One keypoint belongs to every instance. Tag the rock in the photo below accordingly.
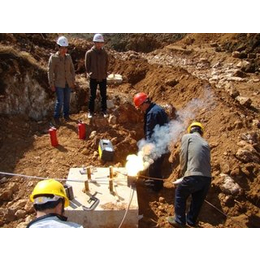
(229, 186)
(3, 180)
(92, 134)
(29, 207)
(171, 82)
(7, 215)
(242, 64)
(236, 54)
(251, 138)
(233, 92)
(238, 124)
(225, 168)
(6, 195)
(20, 213)
(22, 225)
(244, 101)
(239, 73)
(247, 154)
(161, 199)
(112, 120)
(20, 203)
(85, 151)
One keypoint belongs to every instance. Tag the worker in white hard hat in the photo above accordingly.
(49, 200)
(196, 172)
(96, 63)
(61, 75)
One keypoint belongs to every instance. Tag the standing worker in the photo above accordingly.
(96, 63)
(61, 75)
(153, 115)
(196, 169)
(49, 200)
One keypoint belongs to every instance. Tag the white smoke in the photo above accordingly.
(169, 134)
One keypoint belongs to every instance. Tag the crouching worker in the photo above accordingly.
(196, 170)
(49, 200)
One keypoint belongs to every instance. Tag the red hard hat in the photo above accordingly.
(139, 99)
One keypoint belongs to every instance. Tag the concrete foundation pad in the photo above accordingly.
(106, 202)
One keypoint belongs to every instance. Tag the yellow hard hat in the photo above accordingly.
(196, 124)
(52, 187)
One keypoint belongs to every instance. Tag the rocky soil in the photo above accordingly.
(213, 78)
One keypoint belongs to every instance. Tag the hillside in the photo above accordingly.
(212, 78)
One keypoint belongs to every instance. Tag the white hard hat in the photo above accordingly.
(63, 41)
(98, 38)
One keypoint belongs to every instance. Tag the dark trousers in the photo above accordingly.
(93, 93)
(155, 171)
(197, 187)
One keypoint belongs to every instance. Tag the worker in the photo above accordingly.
(96, 64)
(196, 171)
(154, 115)
(61, 76)
(49, 200)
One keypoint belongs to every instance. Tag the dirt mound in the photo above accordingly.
(201, 77)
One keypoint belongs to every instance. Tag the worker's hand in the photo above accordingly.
(88, 75)
(74, 87)
(53, 88)
(178, 181)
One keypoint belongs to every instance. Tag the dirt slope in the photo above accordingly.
(213, 78)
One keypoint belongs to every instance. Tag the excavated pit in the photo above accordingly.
(203, 76)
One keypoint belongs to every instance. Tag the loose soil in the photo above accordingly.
(178, 76)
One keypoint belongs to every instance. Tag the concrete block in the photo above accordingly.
(106, 200)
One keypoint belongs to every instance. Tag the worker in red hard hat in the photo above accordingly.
(196, 171)
(154, 115)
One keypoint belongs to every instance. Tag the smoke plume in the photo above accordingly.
(169, 134)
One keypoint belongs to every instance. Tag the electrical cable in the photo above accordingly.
(216, 208)
(68, 180)
(129, 203)
(41, 178)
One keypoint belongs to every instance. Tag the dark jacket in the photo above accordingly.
(154, 115)
(96, 63)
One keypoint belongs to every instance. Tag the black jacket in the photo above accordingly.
(154, 115)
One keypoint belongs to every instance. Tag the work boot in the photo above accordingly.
(56, 122)
(105, 115)
(172, 221)
(67, 119)
(90, 114)
(149, 183)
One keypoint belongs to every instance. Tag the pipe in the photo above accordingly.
(86, 186)
(89, 173)
(111, 170)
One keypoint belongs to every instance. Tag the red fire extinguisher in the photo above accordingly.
(81, 130)
(53, 136)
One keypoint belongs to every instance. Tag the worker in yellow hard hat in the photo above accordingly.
(196, 171)
(49, 200)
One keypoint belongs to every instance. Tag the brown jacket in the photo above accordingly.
(96, 63)
(61, 71)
